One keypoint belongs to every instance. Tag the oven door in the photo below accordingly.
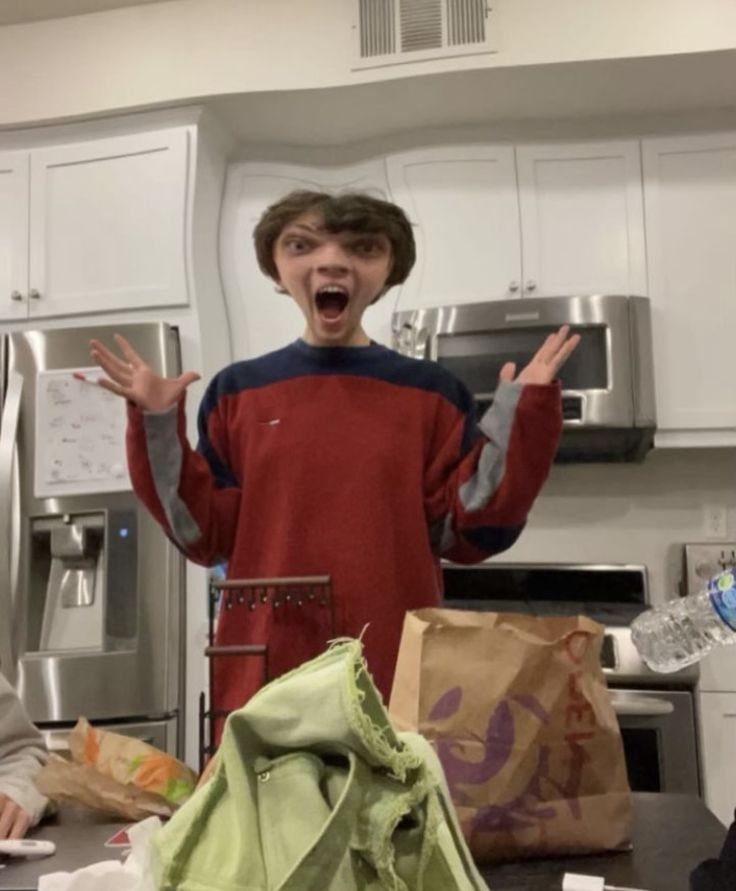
(660, 739)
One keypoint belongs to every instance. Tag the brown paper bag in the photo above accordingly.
(65, 782)
(518, 711)
(116, 774)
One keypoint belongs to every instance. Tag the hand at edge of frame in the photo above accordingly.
(135, 380)
(546, 362)
(14, 821)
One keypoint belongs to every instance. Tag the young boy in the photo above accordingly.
(336, 455)
(22, 754)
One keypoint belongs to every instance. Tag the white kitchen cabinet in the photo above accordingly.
(582, 218)
(263, 319)
(103, 225)
(14, 168)
(717, 713)
(690, 201)
(574, 223)
(464, 205)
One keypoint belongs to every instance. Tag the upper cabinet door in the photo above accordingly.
(13, 235)
(690, 195)
(463, 203)
(109, 224)
(262, 318)
(582, 219)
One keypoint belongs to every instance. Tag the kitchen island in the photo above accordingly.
(672, 834)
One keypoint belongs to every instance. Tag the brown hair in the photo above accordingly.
(347, 212)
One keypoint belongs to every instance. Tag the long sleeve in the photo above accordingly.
(22, 754)
(191, 493)
(484, 477)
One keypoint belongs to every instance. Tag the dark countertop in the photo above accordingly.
(671, 835)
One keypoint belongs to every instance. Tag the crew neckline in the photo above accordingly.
(337, 353)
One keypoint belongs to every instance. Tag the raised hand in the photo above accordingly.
(131, 378)
(546, 362)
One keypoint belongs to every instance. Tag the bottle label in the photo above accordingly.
(722, 591)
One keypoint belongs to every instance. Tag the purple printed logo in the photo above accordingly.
(541, 797)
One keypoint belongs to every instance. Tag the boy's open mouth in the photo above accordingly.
(331, 301)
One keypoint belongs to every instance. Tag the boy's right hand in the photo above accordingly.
(131, 378)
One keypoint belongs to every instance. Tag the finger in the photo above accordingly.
(564, 352)
(21, 824)
(117, 389)
(7, 817)
(507, 372)
(552, 344)
(189, 377)
(115, 368)
(99, 350)
(128, 351)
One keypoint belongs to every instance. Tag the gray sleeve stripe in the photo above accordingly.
(496, 424)
(165, 459)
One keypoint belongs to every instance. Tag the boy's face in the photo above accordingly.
(332, 277)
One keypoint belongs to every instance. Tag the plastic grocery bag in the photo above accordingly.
(136, 874)
(518, 712)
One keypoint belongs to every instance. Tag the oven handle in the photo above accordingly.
(638, 705)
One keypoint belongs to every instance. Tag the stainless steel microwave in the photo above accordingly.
(608, 399)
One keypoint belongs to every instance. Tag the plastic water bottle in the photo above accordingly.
(682, 631)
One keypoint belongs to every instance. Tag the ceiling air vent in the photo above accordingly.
(391, 32)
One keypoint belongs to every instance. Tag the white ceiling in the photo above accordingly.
(14, 12)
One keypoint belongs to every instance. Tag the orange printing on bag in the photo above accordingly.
(91, 745)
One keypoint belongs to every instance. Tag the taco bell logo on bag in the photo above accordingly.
(551, 783)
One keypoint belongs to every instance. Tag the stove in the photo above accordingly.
(656, 712)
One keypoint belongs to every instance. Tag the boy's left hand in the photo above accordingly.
(546, 362)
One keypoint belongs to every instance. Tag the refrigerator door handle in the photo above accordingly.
(8, 439)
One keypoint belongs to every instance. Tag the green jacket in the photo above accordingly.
(314, 791)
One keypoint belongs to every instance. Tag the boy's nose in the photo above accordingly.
(332, 258)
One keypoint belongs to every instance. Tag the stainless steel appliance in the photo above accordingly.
(607, 384)
(91, 590)
(656, 712)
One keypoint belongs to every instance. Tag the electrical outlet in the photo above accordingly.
(715, 522)
(703, 561)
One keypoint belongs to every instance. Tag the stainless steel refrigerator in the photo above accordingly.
(91, 590)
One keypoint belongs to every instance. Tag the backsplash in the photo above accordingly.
(631, 513)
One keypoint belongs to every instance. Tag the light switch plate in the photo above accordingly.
(704, 560)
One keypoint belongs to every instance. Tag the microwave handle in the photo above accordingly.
(413, 341)
(639, 705)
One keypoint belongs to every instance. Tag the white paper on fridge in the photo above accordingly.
(80, 435)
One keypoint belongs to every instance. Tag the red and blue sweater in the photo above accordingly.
(355, 462)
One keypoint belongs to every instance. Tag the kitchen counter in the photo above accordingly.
(672, 834)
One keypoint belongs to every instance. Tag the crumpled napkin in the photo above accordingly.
(135, 874)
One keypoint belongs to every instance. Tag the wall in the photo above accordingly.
(633, 513)
(184, 49)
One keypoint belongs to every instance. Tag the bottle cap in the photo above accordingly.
(573, 881)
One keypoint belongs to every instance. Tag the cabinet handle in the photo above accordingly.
(513, 287)
(530, 285)
(16, 295)
(34, 294)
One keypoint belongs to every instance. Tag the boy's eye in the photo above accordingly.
(296, 245)
(369, 247)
